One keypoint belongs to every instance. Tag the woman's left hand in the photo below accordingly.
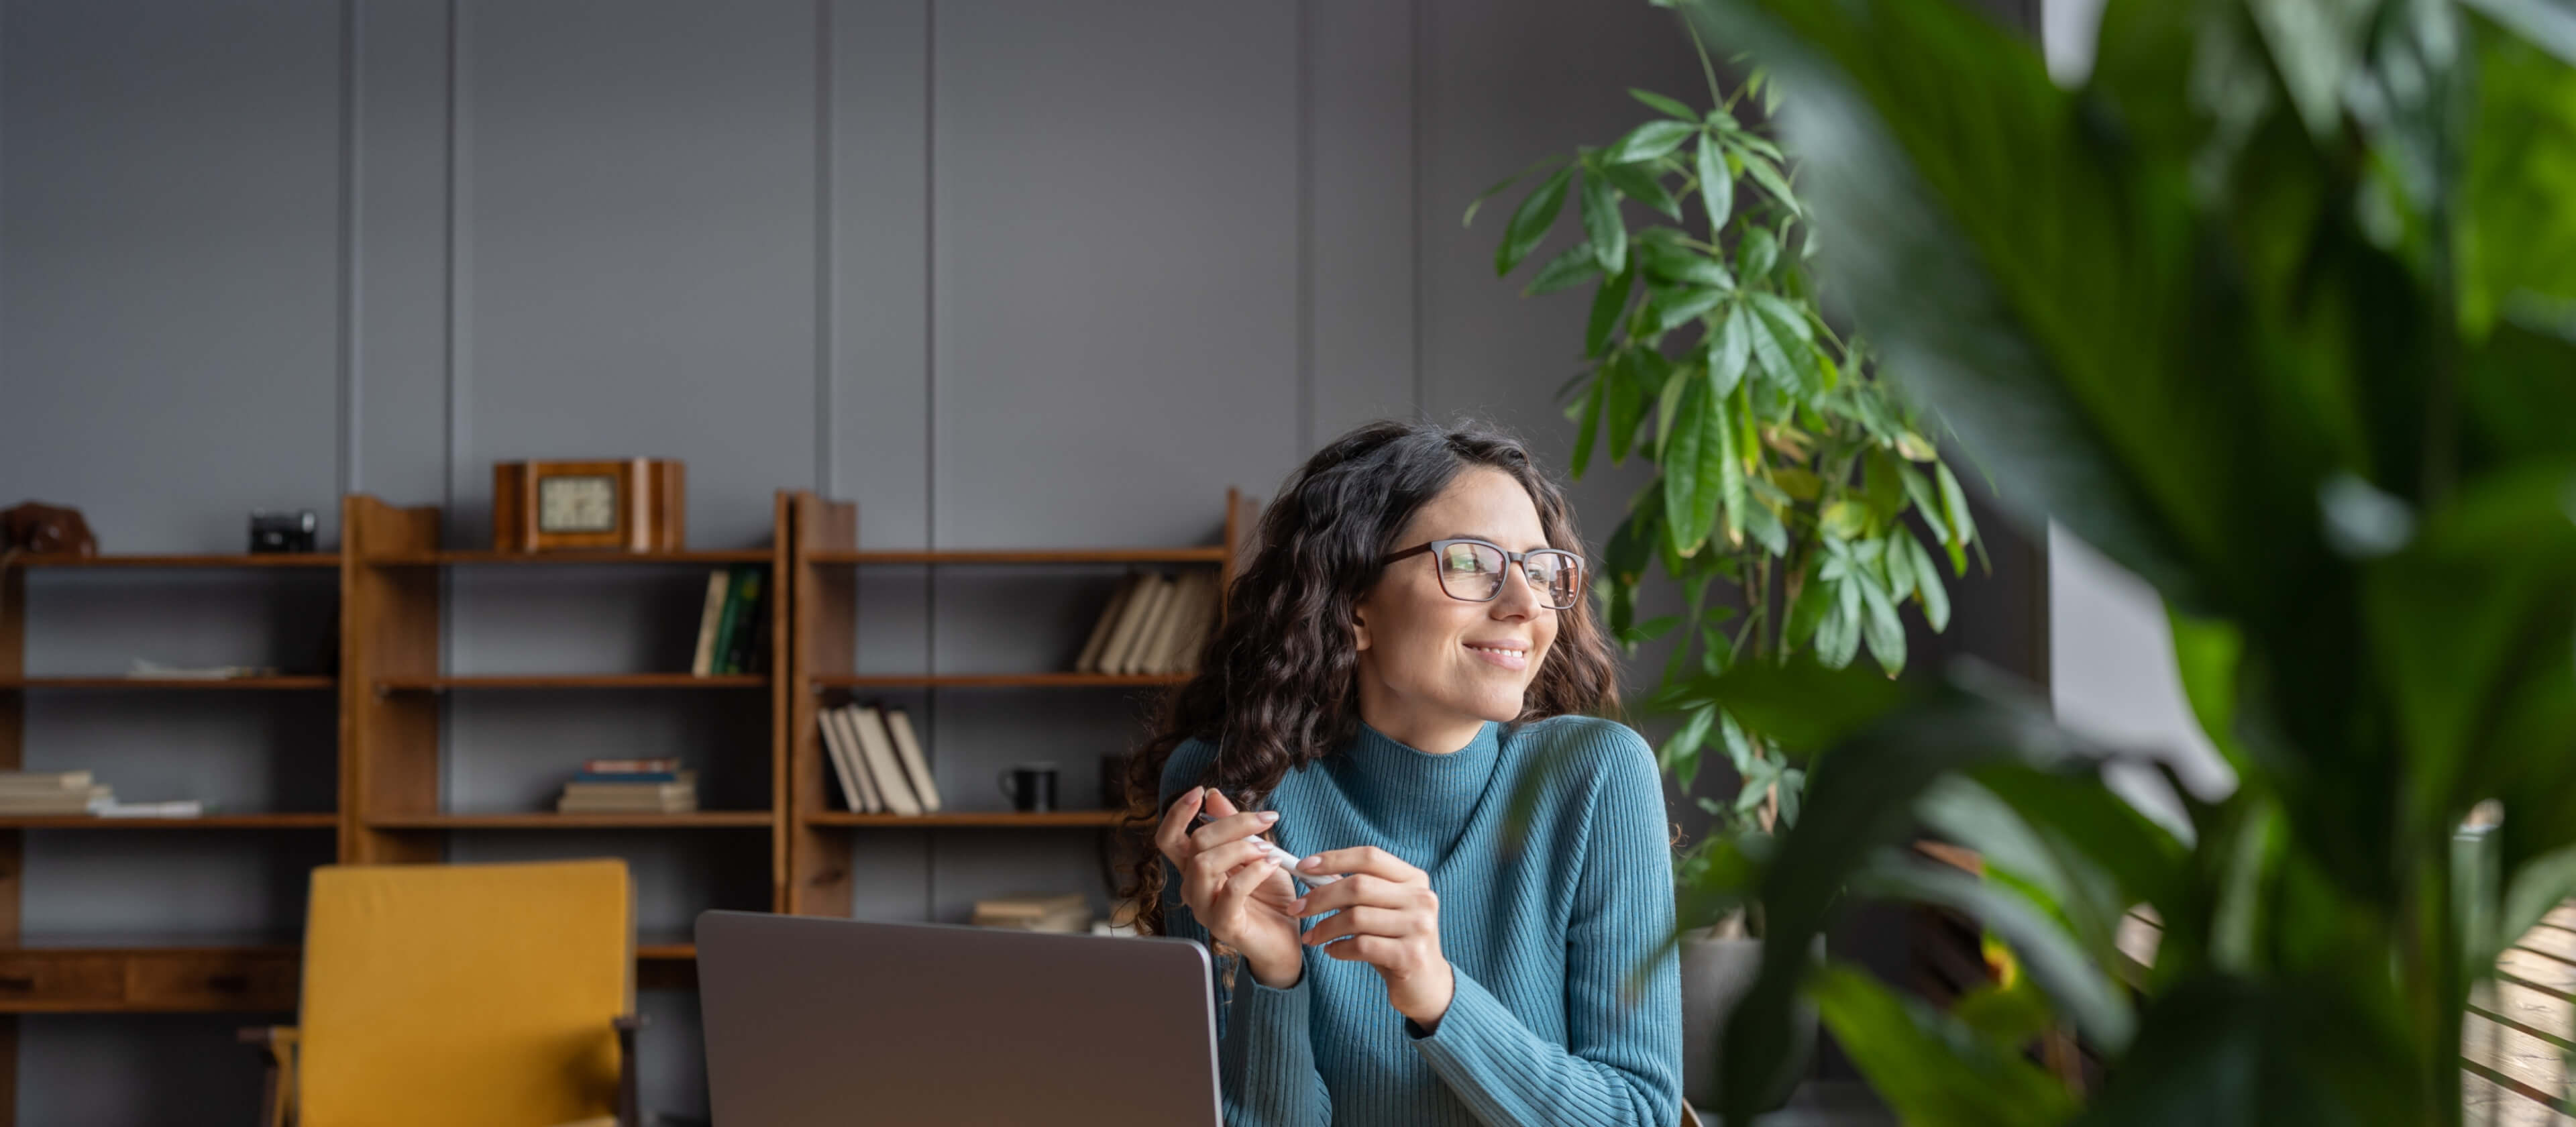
(1392, 917)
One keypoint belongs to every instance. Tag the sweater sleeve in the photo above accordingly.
(1265, 1047)
(1621, 1065)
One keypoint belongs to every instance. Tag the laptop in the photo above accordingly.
(827, 1021)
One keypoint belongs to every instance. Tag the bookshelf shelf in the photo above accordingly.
(822, 682)
(823, 563)
(571, 681)
(192, 684)
(202, 822)
(967, 819)
(532, 559)
(540, 820)
(311, 560)
(1215, 554)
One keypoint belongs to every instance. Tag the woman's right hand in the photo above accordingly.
(1238, 893)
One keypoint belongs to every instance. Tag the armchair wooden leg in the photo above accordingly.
(277, 1049)
(630, 1110)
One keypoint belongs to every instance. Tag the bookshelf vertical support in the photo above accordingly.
(390, 628)
(13, 843)
(826, 608)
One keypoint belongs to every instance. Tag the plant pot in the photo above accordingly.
(1715, 973)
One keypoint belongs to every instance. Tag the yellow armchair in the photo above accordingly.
(498, 994)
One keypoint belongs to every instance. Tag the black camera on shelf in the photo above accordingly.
(282, 532)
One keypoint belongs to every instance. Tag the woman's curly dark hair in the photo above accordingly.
(1279, 679)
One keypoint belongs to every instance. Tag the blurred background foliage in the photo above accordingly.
(2277, 309)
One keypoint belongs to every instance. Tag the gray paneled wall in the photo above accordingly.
(1023, 272)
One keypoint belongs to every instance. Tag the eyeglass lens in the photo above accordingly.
(1475, 572)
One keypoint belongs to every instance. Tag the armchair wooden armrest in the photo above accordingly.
(277, 1045)
(630, 1110)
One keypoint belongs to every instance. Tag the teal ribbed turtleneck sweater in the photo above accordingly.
(1539, 940)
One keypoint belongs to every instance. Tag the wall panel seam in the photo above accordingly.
(351, 12)
(826, 251)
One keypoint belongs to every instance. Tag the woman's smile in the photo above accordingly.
(1513, 656)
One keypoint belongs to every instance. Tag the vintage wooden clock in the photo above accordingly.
(629, 505)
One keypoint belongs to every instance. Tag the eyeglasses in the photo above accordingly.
(1472, 570)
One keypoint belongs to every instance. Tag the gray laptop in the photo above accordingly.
(822, 1021)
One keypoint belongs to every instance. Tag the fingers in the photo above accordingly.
(1171, 837)
(1232, 828)
(1365, 889)
(1219, 806)
(1366, 919)
(1231, 895)
(1367, 859)
(1376, 949)
(1206, 872)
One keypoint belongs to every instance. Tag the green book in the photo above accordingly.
(732, 621)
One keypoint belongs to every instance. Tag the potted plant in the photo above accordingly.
(2273, 308)
(1788, 477)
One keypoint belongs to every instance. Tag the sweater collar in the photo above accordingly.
(1407, 786)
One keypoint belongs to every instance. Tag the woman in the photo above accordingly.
(1410, 649)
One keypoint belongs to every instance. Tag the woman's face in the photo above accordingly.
(1433, 669)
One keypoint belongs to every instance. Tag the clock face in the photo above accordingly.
(577, 504)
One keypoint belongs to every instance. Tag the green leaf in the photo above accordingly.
(1626, 405)
(1927, 583)
(1650, 629)
(1716, 189)
(1768, 175)
(1668, 402)
(1791, 319)
(1565, 271)
(1591, 422)
(1693, 464)
(1669, 262)
(1954, 514)
(1665, 105)
(1679, 306)
(1756, 255)
(1680, 755)
(2055, 961)
(1844, 520)
(1927, 504)
(1649, 141)
(1730, 349)
(1469, 218)
(1607, 304)
(1531, 220)
(1765, 528)
(1774, 349)
(1640, 183)
(1601, 220)
(1932, 1068)
(1880, 626)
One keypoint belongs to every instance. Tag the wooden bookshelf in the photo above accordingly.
(823, 561)
(392, 697)
(572, 681)
(188, 684)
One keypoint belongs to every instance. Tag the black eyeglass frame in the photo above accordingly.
(1511, 559)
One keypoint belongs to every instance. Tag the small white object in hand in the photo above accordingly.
(1290, 861)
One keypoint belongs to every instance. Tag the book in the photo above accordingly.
(180, 808)
(22, 782)
(627, 766)
(1158, 654)
(878, 748)
(628, 776)
(725, 620)
(839, 745)
(704, 661)
(736, 657)
(1202, 626)
(1142, 647)
(1157, 596)
(80, 801)
(1063, 912)
(576, 804)
(916, 767)
(846, 718)
(630, 792)
(1130, 614)
(1089, 662)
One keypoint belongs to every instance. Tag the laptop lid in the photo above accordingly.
(827, 1021)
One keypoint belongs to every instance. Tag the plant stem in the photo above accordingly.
(1706, 70)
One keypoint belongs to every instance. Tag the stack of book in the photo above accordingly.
(733, 627)
(1156, 623)
(878, 761)
(24, 793)
(1036, 911)
(630, 786)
